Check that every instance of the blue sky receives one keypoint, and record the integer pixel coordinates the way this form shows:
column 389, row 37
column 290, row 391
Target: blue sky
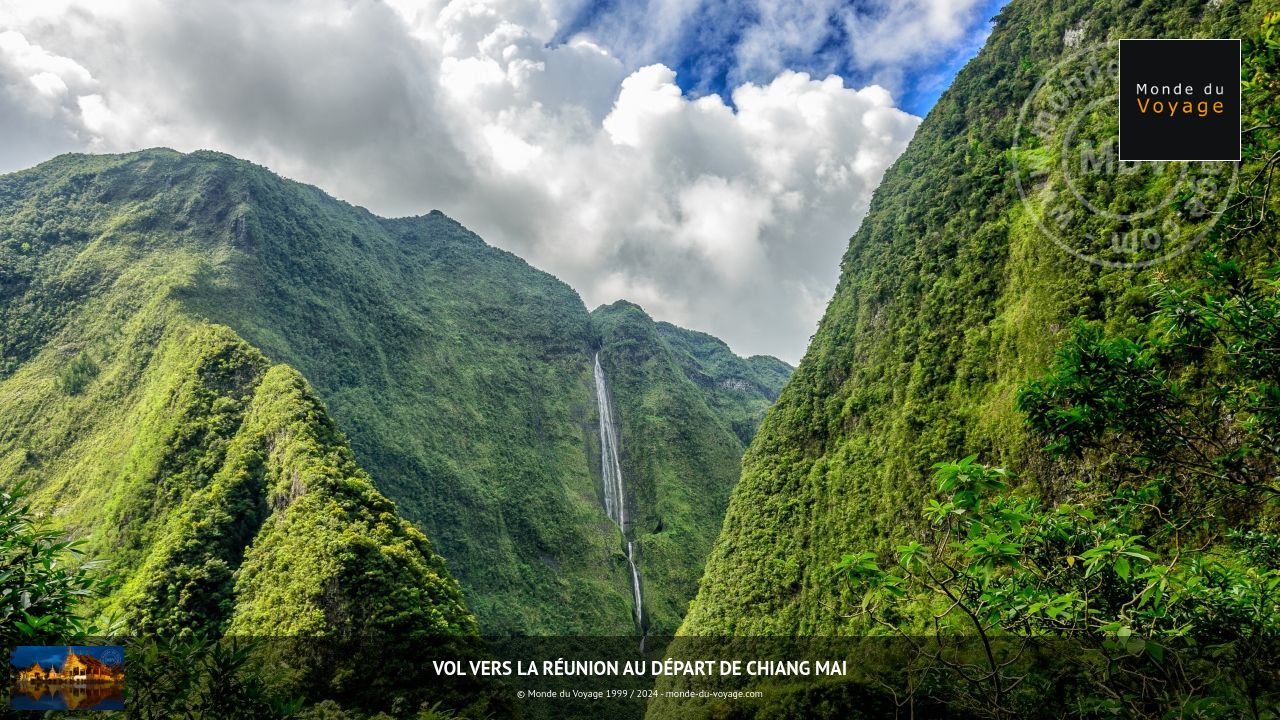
column 48, row 656
column 704, row 50
column 706, row 159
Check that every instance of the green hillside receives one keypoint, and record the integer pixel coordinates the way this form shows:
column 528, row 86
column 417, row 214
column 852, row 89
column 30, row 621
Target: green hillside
column 682, row 399
column 197, row 461
column 146, row 301
column 738, row 389
column 950, row 299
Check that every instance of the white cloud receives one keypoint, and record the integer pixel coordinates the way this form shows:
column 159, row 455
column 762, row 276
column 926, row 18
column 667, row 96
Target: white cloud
column 899, row 30
column 40, row 93
column 879, row 35
column 903, row 35
column 887, row 41
column 726, row 219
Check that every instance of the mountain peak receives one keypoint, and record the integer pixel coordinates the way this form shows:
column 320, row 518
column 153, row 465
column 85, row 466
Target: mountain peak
column 458, row 376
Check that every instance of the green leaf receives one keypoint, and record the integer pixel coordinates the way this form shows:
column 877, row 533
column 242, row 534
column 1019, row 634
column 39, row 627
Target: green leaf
column 1155, row 650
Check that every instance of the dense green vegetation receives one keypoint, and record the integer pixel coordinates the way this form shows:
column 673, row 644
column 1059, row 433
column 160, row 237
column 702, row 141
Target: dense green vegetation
column 44, row 579
column 1118, row 557
column 950, row 298
column 288, row 536
column 683, row 402
column 1158, row 562
column 49, row 588
column 156, row 312
column 739, row 390
column 235, row 468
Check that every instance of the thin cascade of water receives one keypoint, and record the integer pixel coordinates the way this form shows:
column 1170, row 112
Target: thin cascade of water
column 615, row 498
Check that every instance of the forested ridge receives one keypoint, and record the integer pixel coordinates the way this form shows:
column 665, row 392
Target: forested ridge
column 1050, row 485
column 1022, row 471
column 219, row 379
column 950, row 300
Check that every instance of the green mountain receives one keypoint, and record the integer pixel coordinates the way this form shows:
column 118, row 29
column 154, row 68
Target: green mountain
column 684, row 402
column 739, row 390
column 206, row 370
column 950, row 298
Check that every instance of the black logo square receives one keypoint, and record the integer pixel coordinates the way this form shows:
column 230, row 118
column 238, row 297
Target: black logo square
column 1180, row 100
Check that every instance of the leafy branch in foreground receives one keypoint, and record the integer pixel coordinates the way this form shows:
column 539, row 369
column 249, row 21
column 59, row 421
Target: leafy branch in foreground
column 1151, row 586
column 193, row 677
column 43, row 579
column 1002, row 574
column 1157, row 566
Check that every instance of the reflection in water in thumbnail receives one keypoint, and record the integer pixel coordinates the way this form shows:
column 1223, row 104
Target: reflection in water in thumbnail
column 57, row 677
column 65, row 696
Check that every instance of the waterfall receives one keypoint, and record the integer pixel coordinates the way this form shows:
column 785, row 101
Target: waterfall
column 615, row 497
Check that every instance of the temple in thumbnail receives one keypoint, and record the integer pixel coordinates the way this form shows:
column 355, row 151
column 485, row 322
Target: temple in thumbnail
column 76, row 668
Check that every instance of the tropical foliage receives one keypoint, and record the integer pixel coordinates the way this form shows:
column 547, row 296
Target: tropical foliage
column 951, row 298
column 146, row 302
column 44, row 578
